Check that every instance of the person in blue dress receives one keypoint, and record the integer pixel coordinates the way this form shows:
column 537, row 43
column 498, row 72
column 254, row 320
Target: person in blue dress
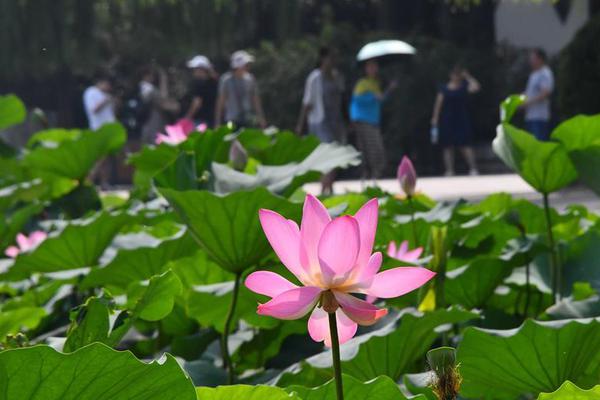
column 452, row 120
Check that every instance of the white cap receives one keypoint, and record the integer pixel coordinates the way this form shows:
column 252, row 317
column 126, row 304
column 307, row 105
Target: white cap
column 241, row 58
column 199, row 61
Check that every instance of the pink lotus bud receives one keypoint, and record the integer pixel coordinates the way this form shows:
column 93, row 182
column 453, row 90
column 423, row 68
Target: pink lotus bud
column 407, row 176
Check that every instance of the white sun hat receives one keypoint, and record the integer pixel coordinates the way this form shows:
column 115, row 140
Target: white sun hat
column 199, row 61
column 241, row 58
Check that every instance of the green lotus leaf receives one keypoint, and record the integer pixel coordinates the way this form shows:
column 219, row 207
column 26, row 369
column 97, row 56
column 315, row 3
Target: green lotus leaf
column 78, row 245
column 12, row 111
column 73, row 154
column 544, row 165
column 570, row 391
column 227, row 227
column 94, row 372
column 381, row 387
column 581, row 137
column 536, row 357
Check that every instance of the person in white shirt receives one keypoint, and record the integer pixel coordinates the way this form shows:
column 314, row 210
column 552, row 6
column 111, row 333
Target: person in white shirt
column 539, row 89
column 322, row 107
column 100, row 109
column 98, row 103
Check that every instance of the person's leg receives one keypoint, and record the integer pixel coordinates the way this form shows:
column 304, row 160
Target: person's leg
column 361, row 143
column 448, row 156
column 327, row 183
column 539, row 128
column 469, row 155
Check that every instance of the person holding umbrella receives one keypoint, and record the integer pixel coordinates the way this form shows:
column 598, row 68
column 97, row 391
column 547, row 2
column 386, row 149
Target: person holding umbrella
column 367, row 97
column 365, row 114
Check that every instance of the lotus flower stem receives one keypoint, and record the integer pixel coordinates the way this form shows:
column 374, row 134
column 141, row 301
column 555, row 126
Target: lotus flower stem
column 554, row 262
column 527, row 289
column 224, row 344
column 335, row 353
column 412, row 222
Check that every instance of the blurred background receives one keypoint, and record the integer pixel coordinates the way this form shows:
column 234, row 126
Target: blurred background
column 50, row 49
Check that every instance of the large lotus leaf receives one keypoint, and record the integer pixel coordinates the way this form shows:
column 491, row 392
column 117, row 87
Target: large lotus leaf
column 544, row 165
column 227, row 227
column 246, row 392
column 199, row 269
column 182, row 166
column 472, row 285
column 267, row 344
column 180, row 174
column 286, row 178
column 75, row 153
column 279, row 149
column 393, row 349
column 381, row 387
column 12, row 321
column 581, row 137
column 12, row 111
column 579, row 263
column 79, row 245
column 509, row 107
column 94, row 372
column 209, row 304
column 149, row 161
column 570, row 391
column 536, row 357
column 141, row 262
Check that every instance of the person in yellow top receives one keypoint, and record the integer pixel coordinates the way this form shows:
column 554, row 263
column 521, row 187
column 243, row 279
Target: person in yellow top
column 365, row 114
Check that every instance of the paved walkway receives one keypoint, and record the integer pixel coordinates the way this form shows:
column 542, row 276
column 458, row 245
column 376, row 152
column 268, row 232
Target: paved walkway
column 475, row 188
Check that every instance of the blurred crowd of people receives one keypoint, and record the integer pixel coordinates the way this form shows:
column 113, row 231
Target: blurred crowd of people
column 234, row 97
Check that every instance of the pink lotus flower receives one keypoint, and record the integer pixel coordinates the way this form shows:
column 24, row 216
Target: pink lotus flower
column 407, row 176
column 25, row 243
column 402, row 253
column 331, row 259
column 177, row 132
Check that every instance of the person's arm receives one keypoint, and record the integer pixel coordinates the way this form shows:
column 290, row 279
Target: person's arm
column 546, row 90
column 102, row 103
column 304, row 110
column 390, row 88
column 195, row 105
column 219, row 108
column 473, row 85
column 437, row 108
column 307, row 102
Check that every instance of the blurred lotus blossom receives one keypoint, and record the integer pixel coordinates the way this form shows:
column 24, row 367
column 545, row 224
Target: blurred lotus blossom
column 177, row 132
column 26, row 243
column 402, row 252
column 331, row 259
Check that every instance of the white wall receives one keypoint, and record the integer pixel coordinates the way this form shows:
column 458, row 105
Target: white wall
column 537, row 24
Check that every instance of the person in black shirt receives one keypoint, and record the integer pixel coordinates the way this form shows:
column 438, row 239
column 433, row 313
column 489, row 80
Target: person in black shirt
column 203, row 92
